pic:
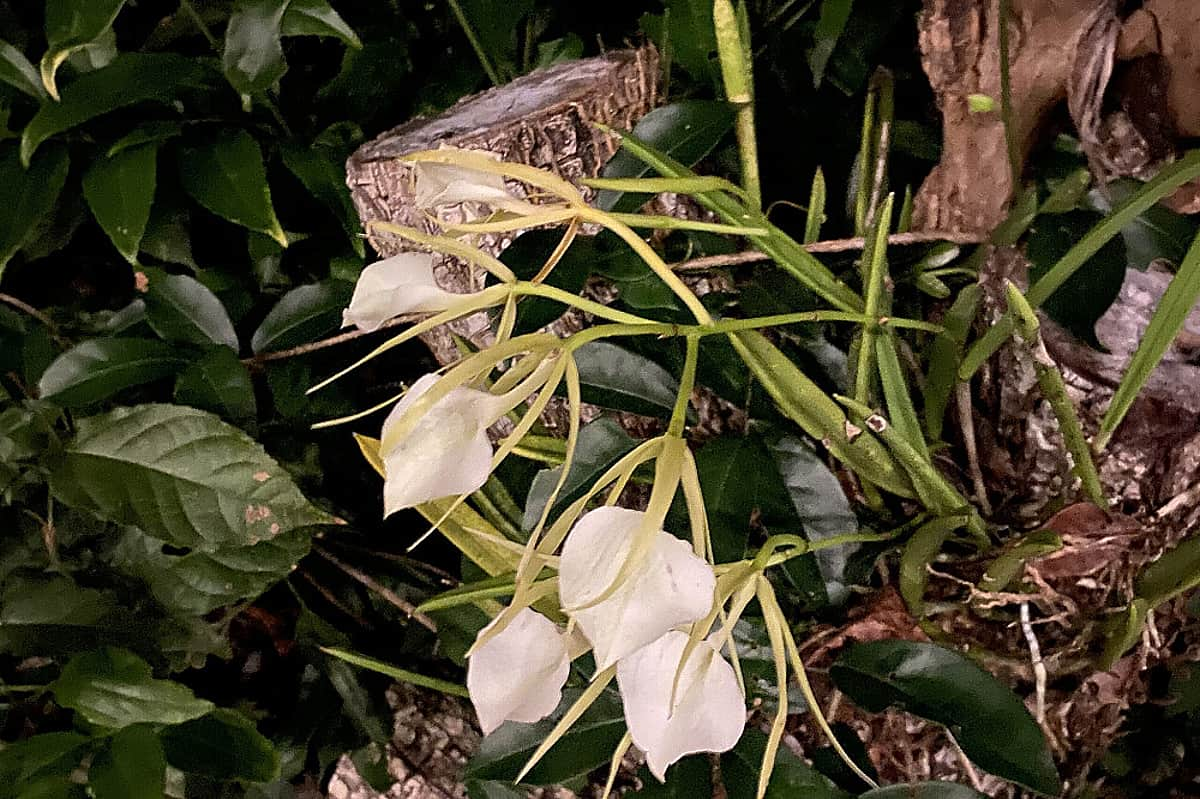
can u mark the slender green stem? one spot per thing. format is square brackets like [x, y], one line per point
[687, 382]
[876, 286]
[580, 303]
[480, 53]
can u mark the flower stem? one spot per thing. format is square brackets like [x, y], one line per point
[687, 382]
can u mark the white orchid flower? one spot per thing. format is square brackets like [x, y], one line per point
[438, 185]
[446, 453]
[519, 673]
[709, 711]
[398, 285]
[670, 587]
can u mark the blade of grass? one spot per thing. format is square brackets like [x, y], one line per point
[875, 261]
[401, 675]
[816, 208]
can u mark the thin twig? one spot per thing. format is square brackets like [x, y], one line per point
[966, 763]
[828, 246]
[1039, 667]
[332, 341]
[25, 307]
[966, 421]
[370, 582]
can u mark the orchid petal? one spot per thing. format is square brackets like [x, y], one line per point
[672, 586]
[518, 674]
[709, 712]
[445, 184]
[398, 285]
[447, 452]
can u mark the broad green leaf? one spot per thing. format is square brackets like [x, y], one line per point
[302, 315]
[226, 175]
[168, 234]
[181, 475]
[131, 766]
[219, 382]
[322, 173]
[555, 51]
[613, 377]
[115, 688]
[791, 776]
[70, 26]
[834, 16]
[152, 131]
[317, 18]
[1088, 293]
[586, 746]
[199, 582]
[120, 190]
[527, 255]
[495, 25]
[493, 789]
[1158, 233]
[601, 444]
[182, 309]
[132, 78]
[820, 504]
[55, 600]
[50, 754]
[16, 71]
[687, 30]
[29, 196]
[1172, 311]
[688, 778]
[253, 56]
[97, 369]
[1172, 574]
[223, 745]
[923, 790]
[687, 131]
[990, 723]
[735, 485]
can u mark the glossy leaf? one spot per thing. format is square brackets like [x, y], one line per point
[153, 131]
[182, 476]
[24, 762]
[735, 486]
[220, 383]
[131, 766]
[493, 789]
[72, 25]
[223, 745]
[317, 18]
[687, 131]
[1089, 292]
[687, 29]
[601, 444]
[182, 309]
[16, 71]
[689, 778]
[253, 56]
[29, 196]
[115, 688]
[301, 315]
[613, 377]
[99, 368]
[322, 173]
[199, 582]
[132, 78]
[1175, 572]
[586, 746]
[832, 21]
[923, 790]
[226, 175]
[791, 776]
[989, 722]
[1158, 233]
[168, 234]
[120, 190]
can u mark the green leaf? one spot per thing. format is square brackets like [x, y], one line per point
[50, 754]
[115, 688]
[322, 173]
[120, 190]
[302, 315]
[132, 78]
[820, 504]
[1088, 293]
[182, 309]
[791, 777]
[16, 71]
[226, 175]
[56, 600]
[945, 355]
[1010, 564]
[168, 234]
[1168, 320]
[28, 195]
[989, 722]
[493, 789]
[253, 56]
[219, 382]
[586, 746]
[687, 131]
[97, 369]
[200, 582]
[1158, 233]
[834, 16]
[131, 766]
[72, 25]
[1172, 574]
[601, 444]
[690, 35]
[688, 778]
[613, 377]
[734, 485]
[568, 48]
[181, 475]
[402, 675]
[152, 131]
[317, 18]
[921, 551]
[923, 790]
[223, 745]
